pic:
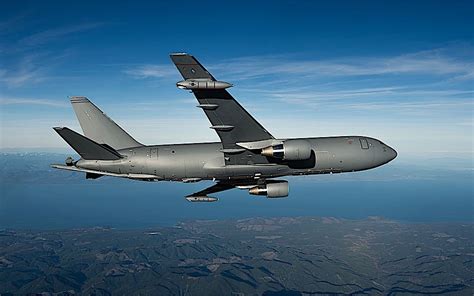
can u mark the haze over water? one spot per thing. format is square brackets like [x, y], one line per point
[35, 196]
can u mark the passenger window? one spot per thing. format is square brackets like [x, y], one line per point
[363, 143]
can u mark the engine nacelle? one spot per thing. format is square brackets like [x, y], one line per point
[271, 190]
[289, 150]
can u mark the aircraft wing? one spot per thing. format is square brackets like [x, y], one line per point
[228, 118]
[223, 186]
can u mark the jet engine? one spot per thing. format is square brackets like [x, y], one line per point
[289, 150]
[271, 190]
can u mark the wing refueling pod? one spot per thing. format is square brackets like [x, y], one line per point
[201, 199]
[202, 84]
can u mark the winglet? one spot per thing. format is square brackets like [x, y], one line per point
[189, 67]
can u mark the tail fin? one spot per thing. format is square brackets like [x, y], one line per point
[87, 148]
[99, 127]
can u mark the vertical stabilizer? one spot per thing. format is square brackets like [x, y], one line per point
[99, 127]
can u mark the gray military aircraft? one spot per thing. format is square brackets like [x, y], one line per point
[247, 157]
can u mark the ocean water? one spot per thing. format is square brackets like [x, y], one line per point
[396, 192]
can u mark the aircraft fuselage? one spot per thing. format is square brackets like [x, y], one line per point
[205, 161]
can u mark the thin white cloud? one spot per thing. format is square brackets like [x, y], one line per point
[11, 24]
[56, 33]
[23, 63]
[30, 69]
[380, 92]
[151, 71]
[26, 71]
[21, 76]
[32, 101]
[417, 106]
[427, 103]
[464, 77]
[431, 62]
[331, 95]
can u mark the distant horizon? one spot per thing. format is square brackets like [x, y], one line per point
[35, 195]
[369, 218]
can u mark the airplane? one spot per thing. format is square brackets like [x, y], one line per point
[247, 156]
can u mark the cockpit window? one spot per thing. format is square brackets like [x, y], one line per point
[364, 144]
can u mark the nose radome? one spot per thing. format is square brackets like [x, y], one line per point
[389, 154]
[393, 154]
[383, 153]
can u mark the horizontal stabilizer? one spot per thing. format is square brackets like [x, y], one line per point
[85, 147]
[144, 177]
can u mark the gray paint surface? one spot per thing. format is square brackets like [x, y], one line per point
[205, 160]
[99, 127]
[109, 150]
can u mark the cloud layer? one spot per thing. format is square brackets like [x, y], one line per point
[430, 62]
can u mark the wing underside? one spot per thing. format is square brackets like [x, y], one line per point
[226, 185]
[218, 187]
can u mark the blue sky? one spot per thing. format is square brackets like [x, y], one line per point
[401, 71]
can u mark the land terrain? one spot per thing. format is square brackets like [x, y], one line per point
[257, 256]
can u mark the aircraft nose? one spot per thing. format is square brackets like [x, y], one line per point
[385, 154]
[392, 154]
